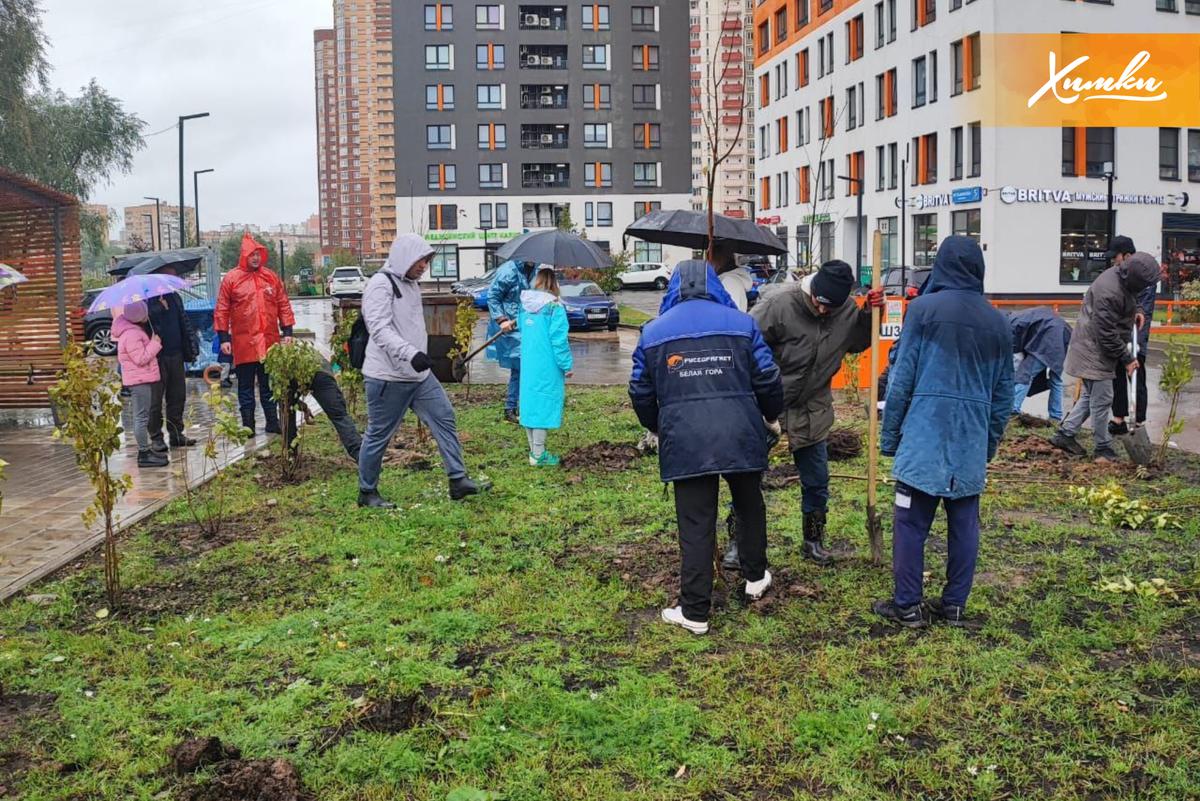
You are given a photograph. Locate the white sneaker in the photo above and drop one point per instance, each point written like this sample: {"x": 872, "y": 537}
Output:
{"x": 533, "y": 462}
{"x": 675, "y": 617}
{"x": 755, "y": 589}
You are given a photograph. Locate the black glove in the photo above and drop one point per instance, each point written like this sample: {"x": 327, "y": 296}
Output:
{"x": 420, "y": 362}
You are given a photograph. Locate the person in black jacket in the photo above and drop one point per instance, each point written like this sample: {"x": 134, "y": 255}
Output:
{"x": 704, "y": 381}
{"x": 179, "y": 346}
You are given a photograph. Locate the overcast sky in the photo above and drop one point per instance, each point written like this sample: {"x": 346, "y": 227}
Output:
{"x": 249, "y": 63}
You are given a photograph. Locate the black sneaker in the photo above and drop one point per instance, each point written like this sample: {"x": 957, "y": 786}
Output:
{"x": 152, "y": 459}
{"x": 955, "y": 616}
{"x": 910, "y": 617}
{"x": 510, "y": 416}
{"x": 1108, "y": 455}
{"x": 183, "y": 442}
{"x": 158, "y": 446}
{"x": 1068, "y": 444}
{"x": 464, "y": 487}
{"x": 373, "y": 500}
{"x": 1117, "y": 429}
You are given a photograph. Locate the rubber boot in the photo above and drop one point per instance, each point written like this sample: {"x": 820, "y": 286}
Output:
{"x": 271, "y": 416}
{"x": 464, "y": 487}
{"x": 373, "y": 500}
{"x": 814, "y": 539}
{"x": 248, "y": 420}
{"x": 732, "y": 560}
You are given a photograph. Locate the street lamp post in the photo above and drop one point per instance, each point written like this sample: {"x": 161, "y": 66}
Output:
{"x": 182, "y": 227}
{"x": 1109, "y": 176}
{"x": 857, "y": 183}
{"x": 157, "y": 222}
{"x": 150, "y": 227}
{"x": 196, "y": 198}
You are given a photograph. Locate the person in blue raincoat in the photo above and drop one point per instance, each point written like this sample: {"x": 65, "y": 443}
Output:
{"x": 504, "y": 304}
{"x": 546, "y": 363}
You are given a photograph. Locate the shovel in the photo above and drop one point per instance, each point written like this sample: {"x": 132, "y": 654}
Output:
{"x": 1137, "y": 441}
{"x": 874, "y": 521}
{"x": 459, "y": 365}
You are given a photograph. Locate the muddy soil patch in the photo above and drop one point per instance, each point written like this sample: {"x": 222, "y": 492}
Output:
{"x": 192, "y": 540}
{"x": 199, "y": 752}
{"x": 649, "y": 564}
{"x": 257, "y": 779}
{"x": 1034, "y": 456}
{"x": 779, "y": 476}
{"x": 389, "y": 716}
{"x": 604, "y": 457}
{"x": 267, "y": 470}
{"x": 479, "y": 395}
{"x": 18, "y": 712}
{"x": 844, "y": 444}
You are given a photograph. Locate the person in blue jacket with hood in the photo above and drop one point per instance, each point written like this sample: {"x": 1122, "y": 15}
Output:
{"x": 704, "y": 381}
{"x": 504, "y": 304}
{"x": 546, "y": 363}
{"x": 948, "y": 402}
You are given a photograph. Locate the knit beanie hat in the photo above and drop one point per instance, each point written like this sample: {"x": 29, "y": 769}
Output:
{"x": 832, "y": 284}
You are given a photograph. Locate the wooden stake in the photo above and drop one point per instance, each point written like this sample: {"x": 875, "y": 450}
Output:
{"x": 874, "y": 523}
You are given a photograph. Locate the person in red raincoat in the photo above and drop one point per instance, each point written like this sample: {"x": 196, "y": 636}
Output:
{"x": 252, "y": 311}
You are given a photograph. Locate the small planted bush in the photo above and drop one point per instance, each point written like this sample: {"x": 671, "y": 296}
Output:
{"x": 291, "y": 368}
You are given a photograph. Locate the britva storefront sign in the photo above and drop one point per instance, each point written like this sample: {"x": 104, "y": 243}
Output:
{"x": 1066, "y": 197}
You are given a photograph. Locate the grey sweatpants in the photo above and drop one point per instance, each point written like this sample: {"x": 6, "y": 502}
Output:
{"x": 1095, "y": 402}
{"x": 537, "y": 441}
{"x": 143, "y": 400}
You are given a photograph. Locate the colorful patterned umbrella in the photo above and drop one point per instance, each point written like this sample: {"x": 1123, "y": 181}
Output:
{"x": 135, "y": 288}
{"x": 10, "y": 277}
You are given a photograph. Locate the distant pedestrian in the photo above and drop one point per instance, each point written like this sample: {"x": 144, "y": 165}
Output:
{"x": 180, "y": 345}
{"x": 137, "y": 353}
{"x": 397, "y": 373}
{"x": 948, "y": 402}
{"x": 1040, "y": 340}
{"x": 252, "y": 312}
{"x": 1100, "y": 349}
{"x": 504, "y": 304}
{"x": 704, "y": 381}
{"x": 546, "y": 363}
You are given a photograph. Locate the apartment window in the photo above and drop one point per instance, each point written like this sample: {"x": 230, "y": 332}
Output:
{"x": 880, "y": 25}
{"x": 485, "y": 215}
{"x": 493, "y": 136}
{"x": 821, "y": 57}
{"x": 893, "y": 165}
{"x": 880, "y": 168}
{"x": 643, "y": 18}
{"x": 925, "y": 148}
{"x": 589, "y": 215}
{"x": 647, "y": 135}
{"x": 489, "y": 57}
{"x": 595, "y": 135}
{"x": 445, "y": 262}
{"x": 597, "y": 174}
{"x": 923, "y": 13}
{"x": 1099, "y": 146}
{"x": 491, "y": 176}
{"x": 596, "y": 18}
{"x": 781, "y": 26}
{"x": 976, "y": 149}
{"x": 645, "y": 57}
{"x": 443, "y": 217}
{"x": 764, "y": 193}
{"x": 801, "y": 14}
{"x": 438, "y": 57}
{"x": 825, "y": 237}
{"x": 855, "y": 162}
{"x": 643, "y": 207}
{"x": 964, "y": 58}
{"x": 595, "y": 57}
{"x": 1084, "y": 242}
{"x": 645, "y": 174}
{"x": 439, "y": 17}
{"x": 764, "y": 141}
{"x": 1168, "y": 154}
{"x": 891, "y": 9}
{"x": 1194, "y": 155}
{"x": 439, "y": 97}
{"x": 597, "y": 96}
{"x": 919, "y": 82}
{"x": 933, "y": 77}
{"x": 925, "y": 239}
{"x": 645, "y": 95}
{"x": 443, "y": 176}
{"x": 956, "y": 148}
{"x": 763, "y": 37}
{"x": 854, "y": 39}
{"x": 489, "y": 97}
{"x": 439, "y": 137}
{"x": 851, "y": 108}
{"x": 827, "y": 118}
{"x": 501, "y": 215}
{"x": 1165, "y": 5}
{"x": 803, "y": 126}
{"x": 781, "y": 135}
{"x": 802, "y": 67}
{"x": 965, "y": 223}
{"x": 489, "y": 18}
{"x": 604, "y": 214}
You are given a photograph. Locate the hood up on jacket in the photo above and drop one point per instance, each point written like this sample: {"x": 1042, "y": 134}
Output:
{"x": 249, "y": 245}
{"x": 1139, "y": 271}
{"x": 131, "y": 316}
{"x": 694, "y": 280}
{"x": 959, "y": 265}
{"x": 406, "y": 251}
{"x": 534, "y": 300}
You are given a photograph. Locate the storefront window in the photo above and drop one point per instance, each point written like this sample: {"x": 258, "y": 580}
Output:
{"x": 445, "y": 262}
{"x": 889, "y": 229}
{"x": 802, "y": 246}
{"x": 1084, "y": 242}
{"x": 925, "y": 239}
{"x": 965, "y": 223}
{"x": 826, "y": 232}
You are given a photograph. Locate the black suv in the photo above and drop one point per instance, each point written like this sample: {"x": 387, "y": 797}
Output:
{"x": 97, "y": 326}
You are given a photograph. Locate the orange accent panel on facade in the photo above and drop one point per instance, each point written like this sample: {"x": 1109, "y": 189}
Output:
{"x": 765, "y": 13}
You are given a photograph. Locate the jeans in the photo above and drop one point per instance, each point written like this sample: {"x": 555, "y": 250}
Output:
{"x": 911, "y": 524}
{"x": 1094, "y": 402}
{"x": 1054, "y": 404}
{"x": 1120, "y": 406}
{"x": 246, "y": 375}
{"x": 143, "y": 400}
{"x": 514, "y": 387}
{"x": 172, "y": 386}
{"x": 813, "y": 464}
{"x": 696, "y": 513}
{"x": 387, "y": 403}
{"x": 537, "y": 441}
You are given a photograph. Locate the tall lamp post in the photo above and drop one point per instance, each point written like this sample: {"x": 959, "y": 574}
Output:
{"x": 857, "y": 184}
{"x": 157, "y": 222}
{"x": 182, "y": 227}
{"x": 150, "y": 228}
{"x": 1109, "y": 176}
{"x": 196, "y": 198}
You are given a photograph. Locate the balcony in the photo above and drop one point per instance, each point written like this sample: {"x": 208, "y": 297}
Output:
{"x": 545, "y": 176}
{"x": 543, "y": 57}
{"x": 545, "y": 137}
{"x": 731, "y": 25}
{"x": 544, "y": 96}
{"x": 542, "y": 18}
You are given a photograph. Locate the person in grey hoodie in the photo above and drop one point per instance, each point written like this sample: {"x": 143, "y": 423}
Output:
{"x": 396, "y": 372}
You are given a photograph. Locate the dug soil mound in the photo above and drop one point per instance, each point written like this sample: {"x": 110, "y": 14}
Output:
{"x": 199, "y": 752}
{"x": 844, "y": 444}
{"x": 390, "y": 716}
{"x": 17, "y": 712}
{"x": 1034, "y": 456}
{"x": 257, "y": 779}
{"x": 606, "y": 457}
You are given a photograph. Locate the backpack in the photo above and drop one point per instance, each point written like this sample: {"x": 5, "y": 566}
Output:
{"x": 356, "y": 345}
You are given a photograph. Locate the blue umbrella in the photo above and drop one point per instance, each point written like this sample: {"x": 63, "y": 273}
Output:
{"x": 135, "y": 288}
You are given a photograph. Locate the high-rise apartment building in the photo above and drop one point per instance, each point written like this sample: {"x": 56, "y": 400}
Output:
{"x": 143, "y": 222}
{"x": 722, "y": 100}
{"x": 517, "y": 111}
{"x": 881, "y": 91}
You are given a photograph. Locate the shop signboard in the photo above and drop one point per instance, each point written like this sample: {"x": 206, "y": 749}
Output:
{"x": 465, "y": 236}
{"x": 893, "y": 320}
{"x": 810, "y": 219}
{"x": 973, "y": 194}
{"x": 1065, "y": 197}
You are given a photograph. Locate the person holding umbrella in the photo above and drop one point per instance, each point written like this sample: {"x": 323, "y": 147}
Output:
{"x": 179, "y": 346}
{"x": 504, "y": 305}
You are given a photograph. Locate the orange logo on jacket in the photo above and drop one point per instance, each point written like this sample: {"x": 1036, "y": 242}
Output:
{"x": 675, "y": 361}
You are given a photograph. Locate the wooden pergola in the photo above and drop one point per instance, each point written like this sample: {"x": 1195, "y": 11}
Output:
{"x": 39, "y": 237}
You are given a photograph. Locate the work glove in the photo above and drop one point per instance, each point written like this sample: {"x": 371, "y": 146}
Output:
{"x": 877, "y": 298}
{"x": 774, "y": 433}
{"x": 420, "y": 362}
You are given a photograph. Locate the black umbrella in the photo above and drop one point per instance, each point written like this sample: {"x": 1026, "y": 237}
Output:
{"x": 185, "y": 260}
{"x": 689, "y": 229}
{"x": 556, "y": 248}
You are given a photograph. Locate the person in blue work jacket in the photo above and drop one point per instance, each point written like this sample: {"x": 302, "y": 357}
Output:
{"x": 705, "y": 382}
{"x": 504, "y": 304}
{"x": 949, "y": 399}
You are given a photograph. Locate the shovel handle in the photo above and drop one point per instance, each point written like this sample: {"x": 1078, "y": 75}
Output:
{"x": 482, "y": 347}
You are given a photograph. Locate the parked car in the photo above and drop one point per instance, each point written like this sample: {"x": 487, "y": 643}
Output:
{"x": 588, "y": 306}
{"x": 779, "y": 281}
{"x": 467, "y": 286}
{"x": 479, "y": 295}
{"x": 760, "y": 272}
{"x": 97, "y": 326}
{"x": 347, "y": 281}
{"x": 646, "y": 274}
{"x": 915, "y": 276}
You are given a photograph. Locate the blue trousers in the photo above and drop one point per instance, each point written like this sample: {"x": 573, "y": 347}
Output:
{"x": 514, "y": 387}
{"x": 387, "y": 403}
{"x": 913, "y": 519}
{"x": 1054, "y": 404}
{"x": 813, "y": 464}
{"x": 246, "y": 375}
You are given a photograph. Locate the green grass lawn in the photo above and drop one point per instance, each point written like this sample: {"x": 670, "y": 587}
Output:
{"x": 511, "y": 644}
{"x": 632, "y": 316}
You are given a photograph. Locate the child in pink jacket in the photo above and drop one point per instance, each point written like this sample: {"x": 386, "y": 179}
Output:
{"x": 137, "y": 351}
